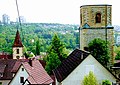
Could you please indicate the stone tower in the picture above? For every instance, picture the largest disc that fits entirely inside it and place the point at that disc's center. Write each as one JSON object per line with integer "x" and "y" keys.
{"x": 18, "y": 47}
{"x": 95, "y": 22}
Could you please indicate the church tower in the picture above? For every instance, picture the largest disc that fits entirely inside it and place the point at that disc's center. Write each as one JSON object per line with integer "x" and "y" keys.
{"x": 95, "y": 22}
{"x": 17, "y": 47}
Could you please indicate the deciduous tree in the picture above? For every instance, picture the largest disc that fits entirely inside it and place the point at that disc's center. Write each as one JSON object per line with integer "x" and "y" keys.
{"x": 99, "y": 49}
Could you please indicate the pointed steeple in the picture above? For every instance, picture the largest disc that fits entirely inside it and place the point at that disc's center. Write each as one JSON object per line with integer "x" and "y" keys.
{"x": 17, "y": 41}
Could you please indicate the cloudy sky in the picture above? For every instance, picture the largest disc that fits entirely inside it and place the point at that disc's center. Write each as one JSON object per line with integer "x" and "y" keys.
{"x": 54, "y": 11}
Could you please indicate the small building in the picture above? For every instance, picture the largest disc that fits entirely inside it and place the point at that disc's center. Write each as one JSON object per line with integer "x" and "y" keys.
{"x": 18, "y": 47}
{"x": 31, "y": 73}
{"x": 78, "y": 64}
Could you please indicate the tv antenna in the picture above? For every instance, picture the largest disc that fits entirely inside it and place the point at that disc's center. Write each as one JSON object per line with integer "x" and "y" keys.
{"x": 19, "y": 20}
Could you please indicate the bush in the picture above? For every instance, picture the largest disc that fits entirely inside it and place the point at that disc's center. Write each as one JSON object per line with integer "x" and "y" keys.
{"x": 90, "y": 79}
{"x": 106, "y": 82}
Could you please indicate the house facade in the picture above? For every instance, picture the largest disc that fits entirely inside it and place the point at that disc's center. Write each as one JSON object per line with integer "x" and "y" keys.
{"x": 32, "y": 73}
{"x": 81, "y": 64}
{"x": 19, "y": 77}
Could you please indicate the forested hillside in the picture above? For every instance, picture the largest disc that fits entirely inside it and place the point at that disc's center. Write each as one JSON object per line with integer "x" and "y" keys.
{"x": 31, "y": 32}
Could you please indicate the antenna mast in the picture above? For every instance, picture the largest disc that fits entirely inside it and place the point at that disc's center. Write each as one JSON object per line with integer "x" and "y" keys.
{"x": 19, "y": 21}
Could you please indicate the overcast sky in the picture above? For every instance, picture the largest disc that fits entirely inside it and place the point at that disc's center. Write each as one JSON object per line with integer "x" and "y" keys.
{"x": 54, "y": 11}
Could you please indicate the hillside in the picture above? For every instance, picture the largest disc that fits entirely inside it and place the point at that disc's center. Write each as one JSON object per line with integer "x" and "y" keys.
{"x": 30, "y": 32}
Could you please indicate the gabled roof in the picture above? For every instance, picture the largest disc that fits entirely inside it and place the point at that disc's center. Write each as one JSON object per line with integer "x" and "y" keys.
{"x": 17, "y": 64}
{"x": 37, "y": 74}
{"x": 20, "y": 61}
{"x": 69, "y": 64}
{"x": 17, "y": 41}
{"x": 6, "y": 67}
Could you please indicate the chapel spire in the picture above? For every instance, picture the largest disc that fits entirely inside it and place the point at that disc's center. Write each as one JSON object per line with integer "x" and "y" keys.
{"x": 17, "y": 41}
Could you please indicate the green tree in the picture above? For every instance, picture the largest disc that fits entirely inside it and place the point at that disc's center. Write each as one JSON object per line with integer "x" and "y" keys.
{"x": 99, "y": 49}
{"x": 90, "y": 79}
{"x": 52, "y": 62}
{"x": 117, "y": 57}
{"x": 106, "y": 82}
{"x": 37, "y": 47}
{"x": 58, "y": 47}
{"x": 56, "y": 54}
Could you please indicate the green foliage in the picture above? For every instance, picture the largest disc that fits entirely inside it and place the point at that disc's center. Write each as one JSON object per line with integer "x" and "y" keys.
{"x": 117, "y": 57}
{"x": 41, "y": 31}
{"x": 58, "y": 47}
{"x": 56, "y": 54}
{"x": 90, "y": 79}
{"x": 37, "y": 47}
{"x": 52, "y": 62}
{"x": 99, "y": 49}
{"x": 106, "y": 82}
{"x": 29, "y": 54}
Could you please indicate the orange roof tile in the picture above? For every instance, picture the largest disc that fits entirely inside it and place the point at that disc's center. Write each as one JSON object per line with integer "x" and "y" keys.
{"x": 37, "y": 74}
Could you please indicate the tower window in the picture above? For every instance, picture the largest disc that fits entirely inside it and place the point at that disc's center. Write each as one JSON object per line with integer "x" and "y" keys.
{"x": 98, "y": 18}
{"x": 81, "y": 18}
{"x": 17, "y": 51}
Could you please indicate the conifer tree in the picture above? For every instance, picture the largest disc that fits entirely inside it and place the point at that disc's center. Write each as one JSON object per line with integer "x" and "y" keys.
{"x": 90, "y": 79}
{"x": 37, "y": 47}
{"x": 56, "y": 54}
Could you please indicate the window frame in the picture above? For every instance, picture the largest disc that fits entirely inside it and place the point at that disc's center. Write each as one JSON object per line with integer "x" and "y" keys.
{"x": 98, "y": 17}
{"x": 17, "y": 51}
{"x": 21, "y": 79}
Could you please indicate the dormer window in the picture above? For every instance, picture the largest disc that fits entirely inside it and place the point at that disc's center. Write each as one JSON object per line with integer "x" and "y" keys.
{"x": 98, "y": 18}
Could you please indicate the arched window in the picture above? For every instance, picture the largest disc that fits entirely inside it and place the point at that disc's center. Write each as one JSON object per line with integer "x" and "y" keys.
{"x": 98, "y": 18}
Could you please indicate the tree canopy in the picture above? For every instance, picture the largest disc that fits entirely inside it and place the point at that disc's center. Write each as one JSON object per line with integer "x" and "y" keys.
{"x": 43, "y": 31}
{"x": 56, "y": 54}
{"x": 99, "y": 49}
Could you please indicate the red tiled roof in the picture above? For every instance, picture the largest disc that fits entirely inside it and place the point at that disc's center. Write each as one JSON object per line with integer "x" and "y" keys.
{"x": 2, "y": 68}
{"x": 17, "y": 42}
{"x": 69, "y": 64}
{"x": 17, "y": 64}
{"x": 37, "y": 74}
{"x": 6, "y": 67}
{"x": 5, "y": 56}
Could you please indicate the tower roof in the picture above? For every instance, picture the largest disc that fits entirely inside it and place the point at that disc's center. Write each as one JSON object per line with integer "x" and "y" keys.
{"x": 17, "y": 41}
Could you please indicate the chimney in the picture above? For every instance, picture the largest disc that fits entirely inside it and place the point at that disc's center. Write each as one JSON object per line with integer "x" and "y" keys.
{"x": 30, "y": 62}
